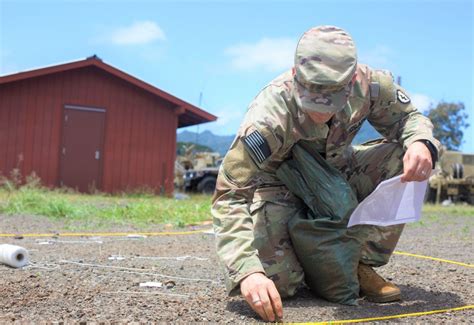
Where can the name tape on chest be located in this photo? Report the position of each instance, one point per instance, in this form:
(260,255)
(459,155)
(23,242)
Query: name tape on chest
(402,97)
(258,146)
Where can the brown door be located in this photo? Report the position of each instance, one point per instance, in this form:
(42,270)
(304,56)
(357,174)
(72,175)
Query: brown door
(81,151)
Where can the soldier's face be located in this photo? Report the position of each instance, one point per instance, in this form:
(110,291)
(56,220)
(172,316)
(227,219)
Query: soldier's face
(320,118)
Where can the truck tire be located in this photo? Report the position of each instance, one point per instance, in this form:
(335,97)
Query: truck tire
(458,171)
(207,185)
(470,199)
(430,195)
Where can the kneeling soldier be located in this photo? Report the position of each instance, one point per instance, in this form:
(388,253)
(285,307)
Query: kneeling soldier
(323,99)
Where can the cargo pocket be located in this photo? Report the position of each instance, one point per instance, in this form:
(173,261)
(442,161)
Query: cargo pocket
(261,235)
(271,210)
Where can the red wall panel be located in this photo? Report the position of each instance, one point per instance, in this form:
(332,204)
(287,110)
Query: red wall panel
(5,104)
(48,102)
(39,127)
(107,98)
(58,86)
(12,155)
(122,130)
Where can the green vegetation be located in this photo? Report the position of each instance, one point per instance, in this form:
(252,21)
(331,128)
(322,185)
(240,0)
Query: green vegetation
(138,209)
(452,210)
(101,210)
(218,143)
(458,217)
(449,120)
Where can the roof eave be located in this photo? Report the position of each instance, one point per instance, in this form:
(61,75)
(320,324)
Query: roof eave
(190,110)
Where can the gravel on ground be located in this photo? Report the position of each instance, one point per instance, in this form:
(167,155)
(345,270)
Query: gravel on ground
(97,278)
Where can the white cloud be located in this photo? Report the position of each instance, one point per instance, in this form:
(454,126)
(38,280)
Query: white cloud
(141,32)
(422,102)
(228,121)
(227,117)
(270,54)
(380,57)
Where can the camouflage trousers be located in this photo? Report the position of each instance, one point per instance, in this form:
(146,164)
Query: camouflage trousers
(272,207)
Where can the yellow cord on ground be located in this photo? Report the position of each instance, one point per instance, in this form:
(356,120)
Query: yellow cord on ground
(372,319)
(434,259)
(108,234)
(359,320)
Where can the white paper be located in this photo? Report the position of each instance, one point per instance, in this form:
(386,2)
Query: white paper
(136,236)
(151,284)
(116,258)
(391,203)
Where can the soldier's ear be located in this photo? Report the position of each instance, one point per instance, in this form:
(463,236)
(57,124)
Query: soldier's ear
(293,71)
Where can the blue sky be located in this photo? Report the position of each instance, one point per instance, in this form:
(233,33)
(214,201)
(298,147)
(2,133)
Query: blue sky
(228,50)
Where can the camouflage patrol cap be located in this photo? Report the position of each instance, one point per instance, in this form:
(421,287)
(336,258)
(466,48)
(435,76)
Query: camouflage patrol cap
(325,62)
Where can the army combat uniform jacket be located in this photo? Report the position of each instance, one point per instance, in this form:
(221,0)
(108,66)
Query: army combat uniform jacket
(272,125)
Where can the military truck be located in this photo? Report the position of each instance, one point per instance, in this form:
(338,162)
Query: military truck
(202,177)
(454,179)
(197,172)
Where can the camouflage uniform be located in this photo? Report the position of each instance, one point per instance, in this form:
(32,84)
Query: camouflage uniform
(251,207)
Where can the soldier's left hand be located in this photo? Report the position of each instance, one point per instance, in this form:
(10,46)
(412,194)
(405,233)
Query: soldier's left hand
(417,163)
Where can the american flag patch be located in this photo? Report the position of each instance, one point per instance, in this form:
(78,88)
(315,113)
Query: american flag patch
(258,146)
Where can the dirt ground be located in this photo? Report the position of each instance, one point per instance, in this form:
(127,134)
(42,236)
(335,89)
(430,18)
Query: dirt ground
(98,278)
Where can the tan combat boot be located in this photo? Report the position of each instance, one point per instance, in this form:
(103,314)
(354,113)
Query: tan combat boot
(374,287)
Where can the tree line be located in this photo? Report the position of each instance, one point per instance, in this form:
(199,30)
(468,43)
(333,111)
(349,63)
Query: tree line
(450,122)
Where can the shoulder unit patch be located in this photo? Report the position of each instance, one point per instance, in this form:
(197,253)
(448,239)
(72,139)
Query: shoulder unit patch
(257,146)
(402,97)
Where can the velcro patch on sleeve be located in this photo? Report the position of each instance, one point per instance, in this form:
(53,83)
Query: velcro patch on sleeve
(238,165)
(257,146)
(402,97)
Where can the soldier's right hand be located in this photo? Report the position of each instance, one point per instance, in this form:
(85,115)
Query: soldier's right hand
(262,295)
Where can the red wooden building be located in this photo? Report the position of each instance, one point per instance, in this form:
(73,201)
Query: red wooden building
(86,124)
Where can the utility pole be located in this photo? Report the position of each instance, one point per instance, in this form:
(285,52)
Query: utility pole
(197,133)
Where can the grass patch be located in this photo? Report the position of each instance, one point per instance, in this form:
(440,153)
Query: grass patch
(80,210)
(455,209)
(140,209)
(446,215)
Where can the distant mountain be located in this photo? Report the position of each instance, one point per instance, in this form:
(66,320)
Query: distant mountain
(218,143)
(182,146)
(221,143)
